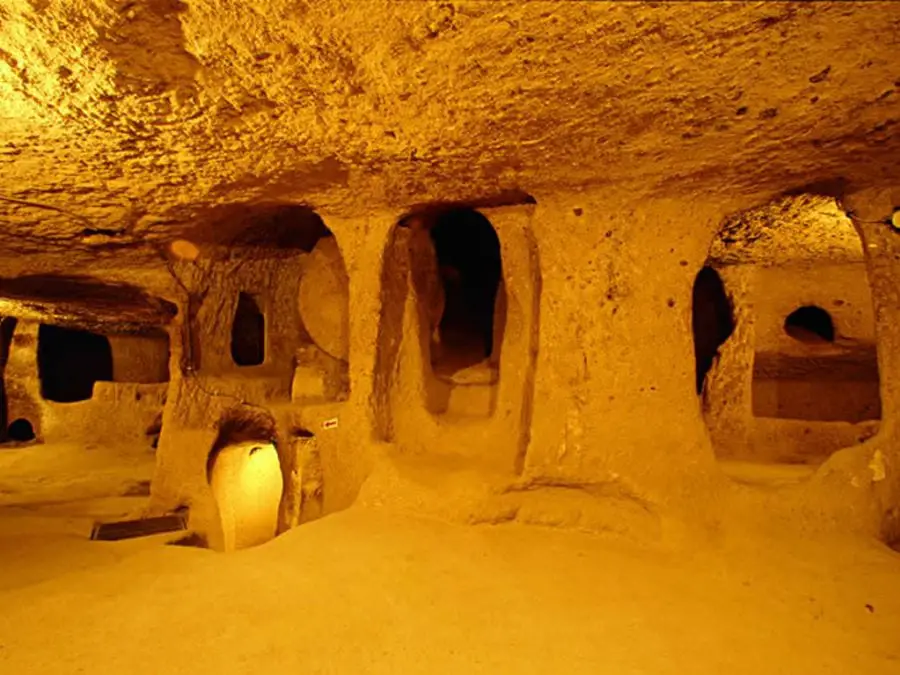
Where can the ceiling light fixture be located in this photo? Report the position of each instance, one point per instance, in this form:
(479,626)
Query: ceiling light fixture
(184,250)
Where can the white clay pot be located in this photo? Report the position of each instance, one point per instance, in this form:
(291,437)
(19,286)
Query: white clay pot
(247,485)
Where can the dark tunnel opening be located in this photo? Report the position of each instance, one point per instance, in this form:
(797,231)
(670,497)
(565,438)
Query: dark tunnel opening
(248,332)
(469,259)
(712,321)
(70,361)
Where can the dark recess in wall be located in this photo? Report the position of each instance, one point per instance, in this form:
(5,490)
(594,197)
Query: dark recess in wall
(70,361)
(712,320)
(468,254)
(248,332)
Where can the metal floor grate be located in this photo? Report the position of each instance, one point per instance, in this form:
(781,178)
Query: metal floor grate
(144,527)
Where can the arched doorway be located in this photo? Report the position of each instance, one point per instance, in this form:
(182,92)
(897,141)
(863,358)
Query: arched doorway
(470,272)
(810,324)
(20,431)
(800,379)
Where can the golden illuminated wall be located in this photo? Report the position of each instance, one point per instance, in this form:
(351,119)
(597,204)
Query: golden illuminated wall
(608,144)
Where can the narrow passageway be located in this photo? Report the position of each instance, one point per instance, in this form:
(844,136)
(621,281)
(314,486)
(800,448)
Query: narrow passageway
(248,332)
(468,255)
(712,320)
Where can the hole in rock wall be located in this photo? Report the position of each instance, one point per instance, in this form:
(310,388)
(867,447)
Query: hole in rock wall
(20,431)
(798,379)
(248,332)
(469,273)
(712,321)
(70,361)
(455,262)
(810,324)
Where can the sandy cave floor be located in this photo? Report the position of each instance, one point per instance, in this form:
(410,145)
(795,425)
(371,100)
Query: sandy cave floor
(367,591)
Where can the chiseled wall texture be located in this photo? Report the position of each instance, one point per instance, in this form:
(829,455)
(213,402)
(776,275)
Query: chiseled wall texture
(140,359)
(754,417)
(841,289)
(597,378)
(121,411)
(614,395)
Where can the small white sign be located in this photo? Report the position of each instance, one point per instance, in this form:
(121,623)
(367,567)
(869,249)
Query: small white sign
(330,424)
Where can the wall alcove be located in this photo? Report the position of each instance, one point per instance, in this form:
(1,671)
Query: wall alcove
(798,377)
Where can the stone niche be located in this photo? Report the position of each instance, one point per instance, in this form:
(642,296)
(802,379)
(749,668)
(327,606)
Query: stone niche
(248,332)
(264,323)
(795,375)
(267,307)
(455,358)
(64,383)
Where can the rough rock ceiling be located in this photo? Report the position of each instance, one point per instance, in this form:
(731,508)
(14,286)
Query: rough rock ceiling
(83,302)
(791,230)
(126,122)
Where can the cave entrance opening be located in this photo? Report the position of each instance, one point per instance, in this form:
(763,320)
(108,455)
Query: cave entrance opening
(20,431)
(70,361)
(810,324)
(798,379)
(712,320)
(469,263)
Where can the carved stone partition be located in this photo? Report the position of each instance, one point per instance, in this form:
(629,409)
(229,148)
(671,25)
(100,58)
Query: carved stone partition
(206,383)
(340,430)
(873,468)
(615,401)
(727,396)
(23,386)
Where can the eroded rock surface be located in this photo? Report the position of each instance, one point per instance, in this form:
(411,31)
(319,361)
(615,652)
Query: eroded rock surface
(123,122)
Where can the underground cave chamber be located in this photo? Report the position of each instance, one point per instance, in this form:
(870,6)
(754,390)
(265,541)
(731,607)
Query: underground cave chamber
(784,335)
(67,383)
(476,446)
